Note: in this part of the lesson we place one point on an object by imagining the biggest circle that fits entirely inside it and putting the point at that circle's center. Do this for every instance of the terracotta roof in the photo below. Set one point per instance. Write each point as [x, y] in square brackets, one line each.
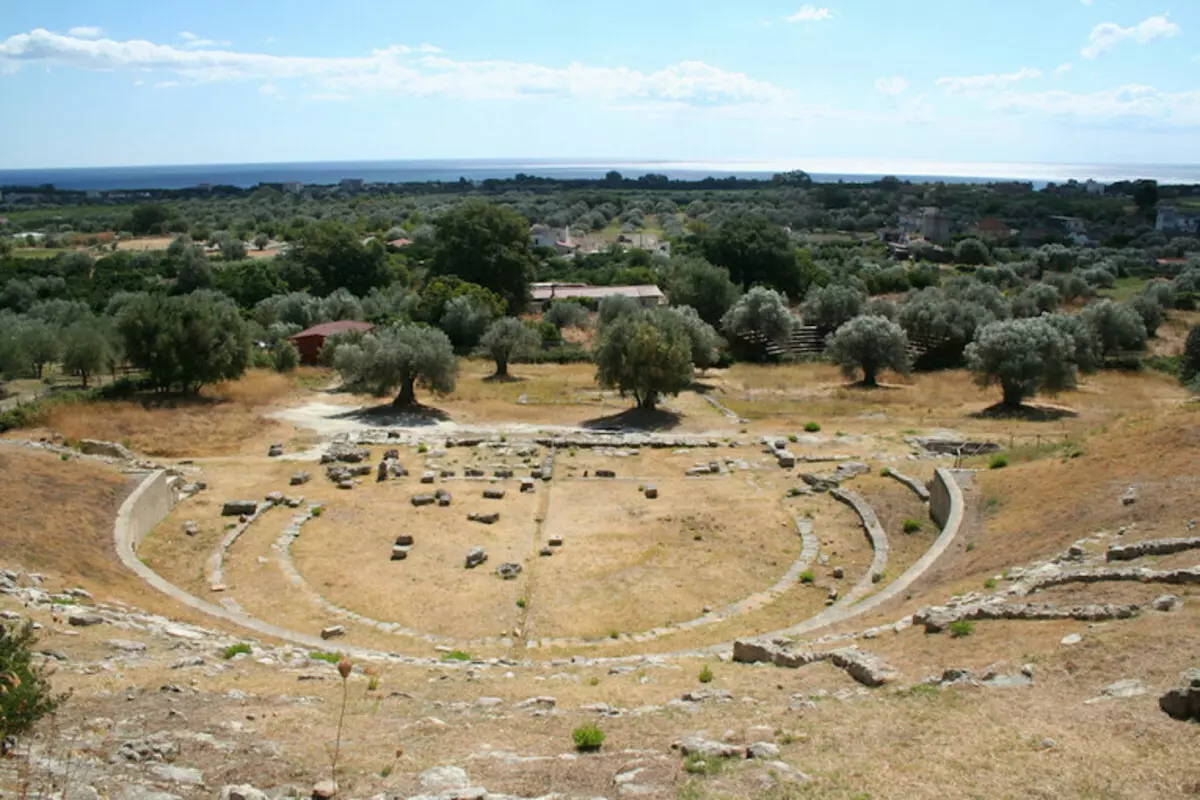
[330, 328]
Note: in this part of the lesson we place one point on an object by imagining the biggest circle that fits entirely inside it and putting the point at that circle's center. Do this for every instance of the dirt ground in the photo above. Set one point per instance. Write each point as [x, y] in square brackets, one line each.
[627, 564]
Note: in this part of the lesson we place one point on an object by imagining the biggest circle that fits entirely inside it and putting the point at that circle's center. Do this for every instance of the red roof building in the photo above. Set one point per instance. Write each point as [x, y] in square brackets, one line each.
[309, 342]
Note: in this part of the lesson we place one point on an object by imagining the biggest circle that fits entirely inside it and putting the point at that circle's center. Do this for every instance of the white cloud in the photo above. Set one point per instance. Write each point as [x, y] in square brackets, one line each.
[268, 88]
[166, 84]
[397, 70]
[1107, 35]
[86, 32]
[810, 13]
[1061, 68]
[1086, 2]
[975, 84]
[1130, 103]
[892, 86]
[192, 40]
[329, 97]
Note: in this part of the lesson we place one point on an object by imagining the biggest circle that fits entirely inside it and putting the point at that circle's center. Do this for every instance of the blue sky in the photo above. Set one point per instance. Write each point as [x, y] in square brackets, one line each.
[182, 82]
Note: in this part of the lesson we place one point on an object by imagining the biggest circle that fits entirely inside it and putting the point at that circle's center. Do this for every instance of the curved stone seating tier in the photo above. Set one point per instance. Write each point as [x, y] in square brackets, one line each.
[153, 499]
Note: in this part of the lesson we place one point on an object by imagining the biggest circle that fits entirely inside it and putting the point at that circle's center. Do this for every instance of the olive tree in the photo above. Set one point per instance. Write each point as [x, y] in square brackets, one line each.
[399, 356]
[869, 345]
[1117, 326]
[185, 341]
[617, 305]
[646, 355]
[1150, 311]
[972, 251]
[832, 306]
[705, 342]
[1087, 354]
[38, 342]
[1035, 300]
[760, 313]
[1191, 354]
[566, 314]
[703, 286]
[942, 325]
[506, 340]
[86, 347]
[464, 320]
[1023, 356]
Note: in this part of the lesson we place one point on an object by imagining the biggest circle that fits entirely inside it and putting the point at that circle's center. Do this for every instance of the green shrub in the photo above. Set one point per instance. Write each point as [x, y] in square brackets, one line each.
[614, 634]
[812, 427]
[457, 655]
[807, 576]
[793, 438]
[588, 738]
[329, 658]
[520, 602]
[912, 525]
[706, 675]
[960, 628]
[286, 357]
[25, 695]
[990, 583]
[998, 461]
[236, 649]
[699, 764]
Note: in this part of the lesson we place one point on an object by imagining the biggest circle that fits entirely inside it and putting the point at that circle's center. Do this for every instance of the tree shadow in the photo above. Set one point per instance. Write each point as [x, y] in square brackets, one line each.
[503, 379]
[390, 416]
[1025, 413]
[878, 386]
[635, 419]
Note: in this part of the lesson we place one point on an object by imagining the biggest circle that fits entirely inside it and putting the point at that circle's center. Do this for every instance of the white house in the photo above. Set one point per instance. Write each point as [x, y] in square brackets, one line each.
[1172, 220]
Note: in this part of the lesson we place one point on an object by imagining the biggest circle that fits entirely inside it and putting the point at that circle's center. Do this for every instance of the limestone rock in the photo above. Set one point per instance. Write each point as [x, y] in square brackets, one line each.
[1167, 602]
[243, 792]
[1183, 702]
[493, 494]
[486, 519]
[236, 508]
[508, 571]
[99, 447]
[767, 750]
[84, 620]
[475, 557]
[444, 779]
[333, 632]
[1130, 497]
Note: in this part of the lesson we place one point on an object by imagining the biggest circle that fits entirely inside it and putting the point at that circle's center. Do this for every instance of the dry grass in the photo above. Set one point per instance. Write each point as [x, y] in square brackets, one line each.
[225, 419]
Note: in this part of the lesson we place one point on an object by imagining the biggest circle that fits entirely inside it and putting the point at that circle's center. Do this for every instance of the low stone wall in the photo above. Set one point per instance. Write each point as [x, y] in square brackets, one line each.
[940, 501]
[148, 505]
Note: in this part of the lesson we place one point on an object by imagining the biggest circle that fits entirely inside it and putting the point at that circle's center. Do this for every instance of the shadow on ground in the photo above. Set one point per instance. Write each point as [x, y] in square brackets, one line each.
[1025, 413]
[636, 419]
[388, 415]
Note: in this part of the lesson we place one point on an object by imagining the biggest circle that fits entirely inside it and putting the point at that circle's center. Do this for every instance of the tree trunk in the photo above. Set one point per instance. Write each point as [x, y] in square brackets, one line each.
[1013, 396]
[84, 376]
[501, 367]
[869, 378]
[648, 402]
[408, 395]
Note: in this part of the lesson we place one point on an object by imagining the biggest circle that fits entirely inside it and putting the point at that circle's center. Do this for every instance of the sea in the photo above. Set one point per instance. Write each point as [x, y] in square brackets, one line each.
[183, 176]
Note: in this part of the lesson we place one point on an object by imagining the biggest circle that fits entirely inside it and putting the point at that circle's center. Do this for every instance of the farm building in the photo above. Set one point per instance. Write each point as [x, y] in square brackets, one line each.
[543, 293]
[309, 342]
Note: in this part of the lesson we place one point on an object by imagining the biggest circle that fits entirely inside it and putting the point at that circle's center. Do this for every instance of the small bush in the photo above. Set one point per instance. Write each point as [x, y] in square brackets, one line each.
[25, 695]
[793, 438]
[520, 602]
[329, 658]
[912, 525]
[990, 583]
[960, 628]
[807, 576]
[706, 675]
[885, 472]
[373, 683]
[588, 738]
[236, 650]
[457, 655]
[812, 427]
[998, 461]
[318, 511]
[422, 448]
[699, 764]
[593, 681]
[614, 634]
[970, 546]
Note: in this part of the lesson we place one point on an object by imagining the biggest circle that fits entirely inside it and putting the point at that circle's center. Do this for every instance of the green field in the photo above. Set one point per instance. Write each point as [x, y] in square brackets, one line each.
[66, 212]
